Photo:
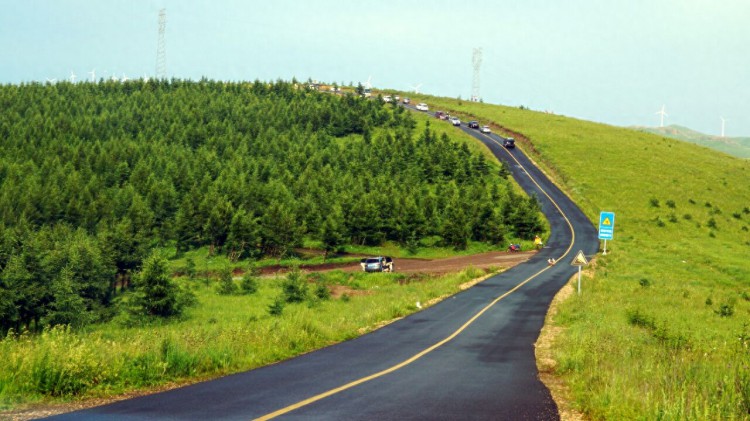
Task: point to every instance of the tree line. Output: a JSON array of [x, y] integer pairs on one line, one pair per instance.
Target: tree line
[[93, 177]]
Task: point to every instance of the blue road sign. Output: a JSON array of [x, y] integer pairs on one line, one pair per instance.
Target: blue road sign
[[606, 225]]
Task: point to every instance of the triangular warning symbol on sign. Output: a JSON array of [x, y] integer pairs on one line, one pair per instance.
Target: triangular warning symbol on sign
[[580, 259], [606, 221]]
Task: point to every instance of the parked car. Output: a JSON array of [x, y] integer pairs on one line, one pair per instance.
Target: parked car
[[396, 98], [509, 143], [422, 107], [473, 124], [455, 121], [441, 115], [485, 129], [406, 100], [377, 264], [387, 98]]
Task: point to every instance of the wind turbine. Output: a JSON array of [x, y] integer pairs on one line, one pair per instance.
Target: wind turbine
[[124, 78], [51, 80], [368, 85], [662, 113], [93, 75], [72, 77], [416, 88], [723, 120], [146, 78]]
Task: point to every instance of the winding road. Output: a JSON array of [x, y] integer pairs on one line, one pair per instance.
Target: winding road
[[470, 356]]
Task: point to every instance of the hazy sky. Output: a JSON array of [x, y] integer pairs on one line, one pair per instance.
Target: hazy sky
[[615, 61]]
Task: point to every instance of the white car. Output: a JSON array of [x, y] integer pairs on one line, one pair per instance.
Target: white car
[[455, 121], [485, 129], [422, 107], [387, 98]]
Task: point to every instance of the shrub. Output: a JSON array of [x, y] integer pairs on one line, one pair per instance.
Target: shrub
[[687, 216], [670, 204], [226, 283], [654, 202], [277, 307], [644, 282], [725, 310], [294, 286], [637, 318], [249, 283], [711, 223], [322, 292]]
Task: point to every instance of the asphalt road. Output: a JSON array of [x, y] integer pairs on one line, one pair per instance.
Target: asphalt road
[[468, 357]]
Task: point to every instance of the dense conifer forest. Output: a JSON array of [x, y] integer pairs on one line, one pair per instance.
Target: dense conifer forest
[[94, 176]]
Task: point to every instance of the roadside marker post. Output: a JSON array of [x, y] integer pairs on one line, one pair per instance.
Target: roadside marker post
[[606, 227], [580, 261]]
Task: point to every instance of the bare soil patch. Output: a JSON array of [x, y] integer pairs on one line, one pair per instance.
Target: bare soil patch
[[496, 259]]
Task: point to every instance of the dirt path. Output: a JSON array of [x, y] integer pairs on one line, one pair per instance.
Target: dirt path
[[451, 264]]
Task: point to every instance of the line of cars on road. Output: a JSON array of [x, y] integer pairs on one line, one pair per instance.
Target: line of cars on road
[[508, 142]]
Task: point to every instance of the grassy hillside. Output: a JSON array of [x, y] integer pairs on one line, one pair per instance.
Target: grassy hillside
[[737, 146], [661, 330]]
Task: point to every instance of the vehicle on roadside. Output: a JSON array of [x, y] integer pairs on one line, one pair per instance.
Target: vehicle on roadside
[[377, 264], [387, 98], [396, 98], [473, 124], [422, 107], [406, 100], [509, 142], [441, 115], [455, 121], [485, 129]]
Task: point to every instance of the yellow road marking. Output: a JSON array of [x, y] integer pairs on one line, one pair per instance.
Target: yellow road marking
[[437, 345]]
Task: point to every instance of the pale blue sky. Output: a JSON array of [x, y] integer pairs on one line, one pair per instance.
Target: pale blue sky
[[612, 61]]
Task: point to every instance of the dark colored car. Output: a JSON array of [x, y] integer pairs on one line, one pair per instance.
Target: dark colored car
[[509, 142], [473, 124]]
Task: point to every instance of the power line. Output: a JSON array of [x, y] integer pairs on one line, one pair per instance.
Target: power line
[[476, 61], [161, 47]]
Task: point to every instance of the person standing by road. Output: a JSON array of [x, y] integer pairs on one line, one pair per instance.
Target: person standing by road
[[538, 242]]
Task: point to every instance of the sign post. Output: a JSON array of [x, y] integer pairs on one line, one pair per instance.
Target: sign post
[[580, 261], [606, 227]]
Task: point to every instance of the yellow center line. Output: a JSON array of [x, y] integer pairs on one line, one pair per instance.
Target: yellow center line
[[437, 345]]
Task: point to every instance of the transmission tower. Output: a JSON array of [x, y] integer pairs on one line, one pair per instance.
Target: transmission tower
[[476, 61], [161, 47]]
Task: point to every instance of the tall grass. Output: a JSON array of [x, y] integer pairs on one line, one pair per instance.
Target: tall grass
[[661, 330], [223, 334]]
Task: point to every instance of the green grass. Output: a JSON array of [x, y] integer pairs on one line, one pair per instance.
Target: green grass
[[220, 335], [662, 329]]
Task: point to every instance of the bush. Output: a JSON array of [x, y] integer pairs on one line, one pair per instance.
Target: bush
[[226, 283], [277, 307], [322, 292], [654, 202], [294, 286], [249, 283]]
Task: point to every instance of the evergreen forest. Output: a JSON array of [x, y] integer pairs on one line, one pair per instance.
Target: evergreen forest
[[95, 176]]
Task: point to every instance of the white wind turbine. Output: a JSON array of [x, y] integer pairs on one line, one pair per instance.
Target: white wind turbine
[[72, 77], [124, 78], [51, 80], [93, 75], [663, 114], [416, 88], [723, 120], [368, 84]]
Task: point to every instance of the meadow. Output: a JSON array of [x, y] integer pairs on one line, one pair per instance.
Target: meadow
[[661, 330], [219, 335]]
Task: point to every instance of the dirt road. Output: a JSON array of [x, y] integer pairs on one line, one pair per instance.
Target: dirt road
[[452, 264]]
